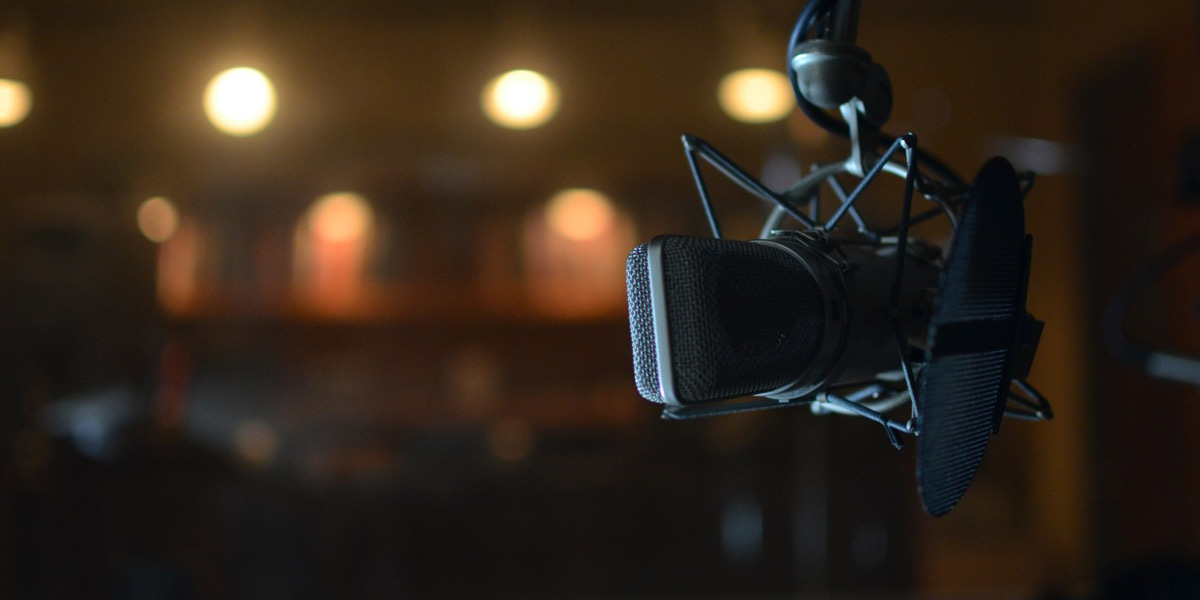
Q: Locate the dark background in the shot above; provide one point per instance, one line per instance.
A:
(467, 425)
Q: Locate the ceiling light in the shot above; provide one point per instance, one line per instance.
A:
(240, 101)
(15, 102)
(756, 95)
(520, 99)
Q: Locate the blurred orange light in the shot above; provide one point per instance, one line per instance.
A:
(520, 99)
(180, 262)
(574, 254)
(341, 217)
(240, 101)
(157, 219)
(15, 102)
(756, 95)
(334, 245)
(580, 214)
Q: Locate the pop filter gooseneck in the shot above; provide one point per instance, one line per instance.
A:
(1158, 363)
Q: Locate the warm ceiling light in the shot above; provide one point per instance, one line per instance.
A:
(158, 219)
(580, 214)
(240, 101)
(340, 217)
(15, 102)
(756, 95)
(520, 99)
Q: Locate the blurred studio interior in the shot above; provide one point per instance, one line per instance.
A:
(327, 300)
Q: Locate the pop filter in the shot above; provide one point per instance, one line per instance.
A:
(973, 336)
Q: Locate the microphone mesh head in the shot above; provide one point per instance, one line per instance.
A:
(641, 324)
(742, 318)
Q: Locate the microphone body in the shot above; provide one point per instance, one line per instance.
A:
(781, 318)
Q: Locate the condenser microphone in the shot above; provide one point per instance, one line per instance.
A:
(859, 321)
(717, 319)
(857, 325)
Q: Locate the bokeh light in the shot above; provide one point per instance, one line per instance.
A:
(15, 102)
(341, 217)
(240, 101)
(511, 439)
(580, 214)
(255, 442)
(158, 219)
(520, 99)
(756, 95)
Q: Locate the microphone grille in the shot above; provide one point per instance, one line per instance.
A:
(743, 318)
(641, 324)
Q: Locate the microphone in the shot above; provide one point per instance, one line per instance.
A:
(716, 319)
(857, 322)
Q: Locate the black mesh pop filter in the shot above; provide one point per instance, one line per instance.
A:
(975, 326)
